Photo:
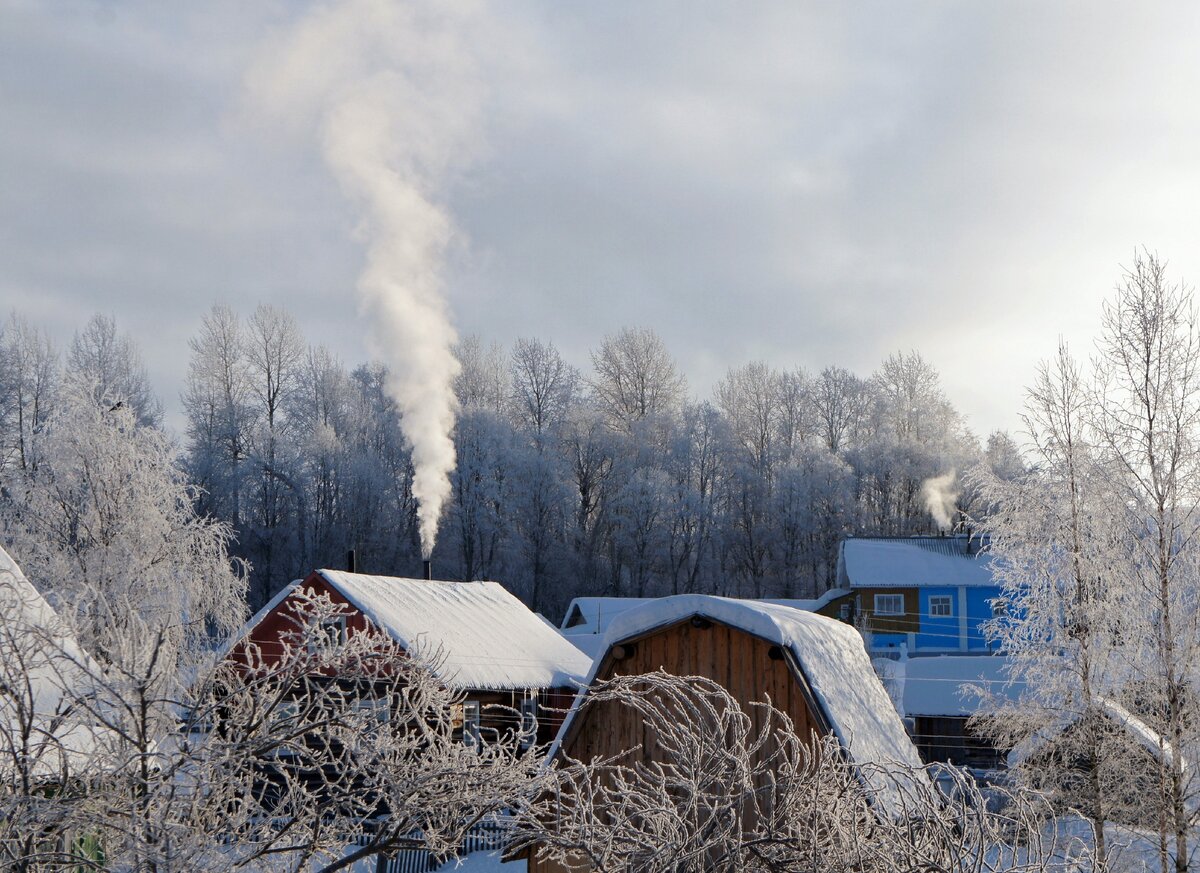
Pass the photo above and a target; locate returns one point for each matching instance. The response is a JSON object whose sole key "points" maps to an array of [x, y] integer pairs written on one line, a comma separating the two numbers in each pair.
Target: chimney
{"points": [[351, 562], [427, 567]]}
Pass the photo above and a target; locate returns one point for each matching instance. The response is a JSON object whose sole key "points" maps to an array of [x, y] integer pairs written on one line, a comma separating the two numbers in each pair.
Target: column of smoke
{"points": [[941, 498], [390, 95]]}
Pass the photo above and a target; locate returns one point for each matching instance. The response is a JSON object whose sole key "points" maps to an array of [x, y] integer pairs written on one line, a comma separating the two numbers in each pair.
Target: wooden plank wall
{"points": [[737, 660]]}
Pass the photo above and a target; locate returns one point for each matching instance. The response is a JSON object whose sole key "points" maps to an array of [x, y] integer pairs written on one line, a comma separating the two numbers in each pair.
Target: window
{"points": [[941, 605], [331, 629], [999, 607], [889, 604], [576, 617], [528, 722], [471, 724]]}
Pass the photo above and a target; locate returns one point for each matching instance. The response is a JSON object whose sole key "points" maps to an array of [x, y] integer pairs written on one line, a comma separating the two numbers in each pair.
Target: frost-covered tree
{"points": [[544, 387], [729, 789], [269, 764], [1058, 555], [29, 380], [103, 521], [1100, 545], [110, 366], [634, 377]]}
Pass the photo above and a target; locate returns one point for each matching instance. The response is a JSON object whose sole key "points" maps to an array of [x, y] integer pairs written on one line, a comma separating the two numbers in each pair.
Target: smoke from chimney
{"points": [[941, 495], [392, 97]]}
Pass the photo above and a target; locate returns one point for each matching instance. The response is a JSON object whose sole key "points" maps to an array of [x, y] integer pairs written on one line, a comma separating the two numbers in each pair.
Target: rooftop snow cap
{"points": [[832, 660], [483, 636]]}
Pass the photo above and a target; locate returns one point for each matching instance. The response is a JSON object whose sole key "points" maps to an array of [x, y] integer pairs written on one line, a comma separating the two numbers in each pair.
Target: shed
{"points": [[489, 645]]}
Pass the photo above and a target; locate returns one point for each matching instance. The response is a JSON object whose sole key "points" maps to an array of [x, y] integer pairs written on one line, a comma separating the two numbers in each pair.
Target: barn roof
{"points": [[42, 667], [487, 639], [830, 655], [587, 618], [911, 562]]}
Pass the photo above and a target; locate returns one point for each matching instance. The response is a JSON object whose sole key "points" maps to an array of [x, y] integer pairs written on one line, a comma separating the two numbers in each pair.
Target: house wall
{"points": [[939, 632], [979, 610], [906, 623], [270, 632], [738, 661]]}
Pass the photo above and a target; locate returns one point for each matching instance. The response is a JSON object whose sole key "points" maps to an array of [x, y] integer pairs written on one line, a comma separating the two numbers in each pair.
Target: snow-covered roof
{"points": [[830, 655], [587, 618], [1144, 735], [908, 562], [45, 673], [485, 637], [939, 685]]}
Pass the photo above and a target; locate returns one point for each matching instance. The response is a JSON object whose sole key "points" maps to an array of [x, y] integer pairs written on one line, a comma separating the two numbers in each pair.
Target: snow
{"points": [[485, 862], [830, 654], [593, 615], [890, 563], [485, 637], [50, 671], [940, 685]]}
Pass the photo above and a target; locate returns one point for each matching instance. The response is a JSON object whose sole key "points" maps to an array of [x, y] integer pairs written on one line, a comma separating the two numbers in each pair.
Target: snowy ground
{"points": [[485, 862]]}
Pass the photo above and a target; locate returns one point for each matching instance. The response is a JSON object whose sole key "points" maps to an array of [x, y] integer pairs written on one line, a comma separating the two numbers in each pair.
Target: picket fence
{"points": [[486, 836]]}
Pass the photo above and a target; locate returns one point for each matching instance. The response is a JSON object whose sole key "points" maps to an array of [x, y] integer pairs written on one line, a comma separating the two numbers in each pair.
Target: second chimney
{"points": [[427, 568]]}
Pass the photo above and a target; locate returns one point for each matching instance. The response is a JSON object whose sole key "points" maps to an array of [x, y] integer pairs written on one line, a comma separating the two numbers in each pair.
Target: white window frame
{"points": [[880, 599], [471, 735], [941, 606], [333, 629], [529, 708]]}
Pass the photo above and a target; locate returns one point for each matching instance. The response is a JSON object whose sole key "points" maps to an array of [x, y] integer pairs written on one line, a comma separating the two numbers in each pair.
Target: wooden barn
{"points": [[490, 646], [813, 667]]}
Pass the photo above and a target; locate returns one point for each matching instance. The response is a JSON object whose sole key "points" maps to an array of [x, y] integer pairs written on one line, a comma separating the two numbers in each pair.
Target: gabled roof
{"points": [[829, 653], [42, 667], [911, 562], [1140, 732], [587, 618], [484, 637]]}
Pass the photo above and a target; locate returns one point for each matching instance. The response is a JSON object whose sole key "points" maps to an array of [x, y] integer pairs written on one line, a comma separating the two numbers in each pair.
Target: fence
{"points": [[486, 836]]}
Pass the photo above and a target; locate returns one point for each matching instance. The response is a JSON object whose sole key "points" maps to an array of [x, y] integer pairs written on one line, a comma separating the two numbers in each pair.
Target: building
{"points": [[812, 667], [489, 645], [928, 594]]}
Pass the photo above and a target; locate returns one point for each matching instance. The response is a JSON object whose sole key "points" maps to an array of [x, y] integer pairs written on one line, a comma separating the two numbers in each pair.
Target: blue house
{"points": [[919, 595]]}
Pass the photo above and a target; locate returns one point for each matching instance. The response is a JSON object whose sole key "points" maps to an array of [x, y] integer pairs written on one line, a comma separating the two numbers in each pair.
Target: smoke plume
{"points": [[391, 96], [941, 498]]}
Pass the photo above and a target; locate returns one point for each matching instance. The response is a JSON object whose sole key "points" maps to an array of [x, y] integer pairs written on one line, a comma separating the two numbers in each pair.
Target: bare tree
{"points": [[543, 386], [110, 366], [635, 378]]}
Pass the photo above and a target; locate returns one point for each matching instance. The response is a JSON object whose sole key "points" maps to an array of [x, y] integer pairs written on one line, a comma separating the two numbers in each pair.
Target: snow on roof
{"points": [[588, 618], [830, 654], [487, 638], [913, 562], [940, 685], [45, 673], [1144, 735], [591, 615]]}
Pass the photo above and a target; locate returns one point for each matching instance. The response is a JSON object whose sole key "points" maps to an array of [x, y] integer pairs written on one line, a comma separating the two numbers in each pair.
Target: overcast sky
{"points": [[805, 185]]}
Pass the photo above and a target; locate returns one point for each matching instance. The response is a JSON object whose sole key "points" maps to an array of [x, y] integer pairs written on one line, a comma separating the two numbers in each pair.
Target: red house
{"points": [[491, 647]]}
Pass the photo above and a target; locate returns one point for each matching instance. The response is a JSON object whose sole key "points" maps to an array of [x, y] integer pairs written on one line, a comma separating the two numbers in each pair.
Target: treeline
{"points": [[613, 481]]}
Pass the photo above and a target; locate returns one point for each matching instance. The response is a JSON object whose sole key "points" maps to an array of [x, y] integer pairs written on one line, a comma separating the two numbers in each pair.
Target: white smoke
{"points": [[941, 498], [391, 94]]}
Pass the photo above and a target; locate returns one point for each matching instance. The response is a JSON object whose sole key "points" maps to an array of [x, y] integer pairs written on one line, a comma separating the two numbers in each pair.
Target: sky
{"points": [[803, 184]]}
